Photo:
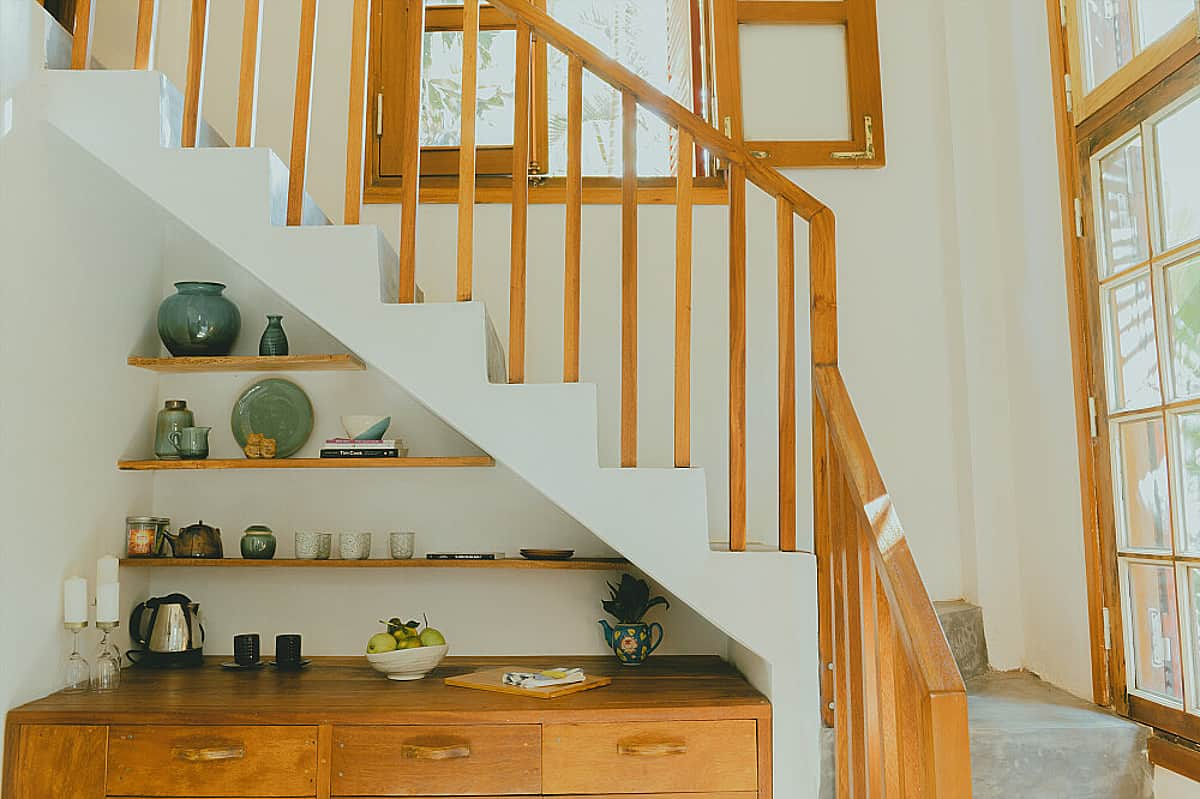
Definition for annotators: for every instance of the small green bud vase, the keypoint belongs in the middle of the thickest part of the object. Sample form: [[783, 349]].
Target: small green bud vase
[[274, 340], [258, 542]]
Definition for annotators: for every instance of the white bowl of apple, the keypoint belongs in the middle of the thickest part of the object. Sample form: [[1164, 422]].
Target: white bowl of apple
[[404, 653]]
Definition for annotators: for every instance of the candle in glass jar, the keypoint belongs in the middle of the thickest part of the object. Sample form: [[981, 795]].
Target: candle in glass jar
[[106, 571], [75, 601], [108, 603]]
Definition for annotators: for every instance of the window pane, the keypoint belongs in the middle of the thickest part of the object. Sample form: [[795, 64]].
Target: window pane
[[1143, 513], [441, 88], [1185, 429], [1192, 587], [635, 34], [1123, 208], [1183, 327], [1157, 17], [1108, 38], [1154, 627], [1179, 174], [1130, 349]]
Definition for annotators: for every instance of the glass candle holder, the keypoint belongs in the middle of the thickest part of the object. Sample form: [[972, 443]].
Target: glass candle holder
[[107, 675], [76, 673]]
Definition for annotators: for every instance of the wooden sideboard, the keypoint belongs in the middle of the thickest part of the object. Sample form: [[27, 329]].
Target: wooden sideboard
[[676, 725]]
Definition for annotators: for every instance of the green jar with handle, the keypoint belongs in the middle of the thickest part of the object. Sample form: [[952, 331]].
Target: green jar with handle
[[170, 421]]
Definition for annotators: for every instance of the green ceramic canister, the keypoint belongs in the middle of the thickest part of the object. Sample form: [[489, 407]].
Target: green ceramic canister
[[173, 417], [258, 542]]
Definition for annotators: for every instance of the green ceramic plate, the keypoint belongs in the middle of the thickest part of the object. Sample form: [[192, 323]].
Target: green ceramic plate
[[278, 409]]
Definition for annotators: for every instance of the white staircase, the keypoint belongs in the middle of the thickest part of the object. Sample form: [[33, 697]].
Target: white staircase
[[547, 434]]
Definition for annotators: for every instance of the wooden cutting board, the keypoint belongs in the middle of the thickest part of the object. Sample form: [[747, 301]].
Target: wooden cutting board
[[493, 680]]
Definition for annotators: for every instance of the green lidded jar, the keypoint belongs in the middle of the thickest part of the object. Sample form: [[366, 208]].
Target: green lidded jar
[[258, 542], [174, 416]]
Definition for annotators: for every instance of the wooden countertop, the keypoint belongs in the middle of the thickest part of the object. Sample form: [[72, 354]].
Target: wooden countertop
[[346, 690]]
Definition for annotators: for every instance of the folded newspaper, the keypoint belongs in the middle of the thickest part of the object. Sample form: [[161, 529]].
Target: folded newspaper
[[544, 679]]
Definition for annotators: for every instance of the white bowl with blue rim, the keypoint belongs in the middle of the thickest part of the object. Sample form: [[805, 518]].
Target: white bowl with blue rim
[[366, 428]]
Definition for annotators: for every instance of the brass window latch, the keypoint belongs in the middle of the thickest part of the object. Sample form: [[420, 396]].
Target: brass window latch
[[867, 154], [537, 176]]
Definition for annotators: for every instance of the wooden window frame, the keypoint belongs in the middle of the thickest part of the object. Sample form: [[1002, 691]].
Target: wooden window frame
[[1085, 129], [439, 184], [865, 148], [1171, 50]]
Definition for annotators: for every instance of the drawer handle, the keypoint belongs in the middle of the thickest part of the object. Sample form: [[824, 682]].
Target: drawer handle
[[447, 751], [644, 748], [209, 753]]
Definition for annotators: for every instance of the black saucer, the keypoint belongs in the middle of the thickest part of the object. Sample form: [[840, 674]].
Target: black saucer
[[235, 666], [297, 666]]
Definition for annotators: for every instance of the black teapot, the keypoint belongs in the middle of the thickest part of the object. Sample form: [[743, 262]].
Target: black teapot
[[195, 541]]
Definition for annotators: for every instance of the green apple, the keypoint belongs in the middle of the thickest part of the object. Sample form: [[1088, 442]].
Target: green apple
[[432, 637], [380, 642]]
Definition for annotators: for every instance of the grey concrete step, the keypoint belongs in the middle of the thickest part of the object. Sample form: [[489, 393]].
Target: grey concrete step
[[963, 624]]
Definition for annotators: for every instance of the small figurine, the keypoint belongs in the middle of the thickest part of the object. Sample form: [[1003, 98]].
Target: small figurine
[[259, 446]]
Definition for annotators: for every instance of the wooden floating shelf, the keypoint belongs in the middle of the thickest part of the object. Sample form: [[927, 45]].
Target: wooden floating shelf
[[575, 564], [253, 363], [457, 461]]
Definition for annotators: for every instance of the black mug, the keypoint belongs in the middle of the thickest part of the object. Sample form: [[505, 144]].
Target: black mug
[[287, 651], [246, 649]]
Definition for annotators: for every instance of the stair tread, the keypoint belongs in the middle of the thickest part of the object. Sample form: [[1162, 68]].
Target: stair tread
[[1012, 701]]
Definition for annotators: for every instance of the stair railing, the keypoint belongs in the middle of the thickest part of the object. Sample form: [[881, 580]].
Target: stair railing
[[890, 685]]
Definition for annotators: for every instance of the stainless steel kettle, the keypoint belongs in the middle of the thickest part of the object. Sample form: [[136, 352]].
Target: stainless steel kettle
[[169, 630]]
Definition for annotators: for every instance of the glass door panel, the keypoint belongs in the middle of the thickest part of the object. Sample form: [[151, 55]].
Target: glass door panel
[[1185, 444], [1178, 174], [1182, 286], [1123, 209], [1130, 349], [1153, 630], [1140, 484]]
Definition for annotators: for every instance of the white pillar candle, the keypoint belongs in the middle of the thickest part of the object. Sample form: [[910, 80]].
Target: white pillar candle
[[106, 570], [108, 602], [75, 601]]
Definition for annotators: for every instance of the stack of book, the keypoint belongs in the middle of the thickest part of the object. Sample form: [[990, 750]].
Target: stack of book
[[354, 448]]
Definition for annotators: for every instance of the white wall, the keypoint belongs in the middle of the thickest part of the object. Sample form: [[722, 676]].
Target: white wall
[[80, 264], [1169, 785]]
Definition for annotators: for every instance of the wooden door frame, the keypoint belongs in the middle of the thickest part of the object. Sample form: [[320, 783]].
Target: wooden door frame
[[1155, 89]]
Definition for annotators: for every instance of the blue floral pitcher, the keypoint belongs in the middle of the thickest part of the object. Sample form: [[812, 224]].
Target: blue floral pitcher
[[631, 643]]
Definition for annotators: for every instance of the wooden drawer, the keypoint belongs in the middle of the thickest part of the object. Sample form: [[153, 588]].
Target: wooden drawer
[[212, 761], [650, 757], [437, 761]]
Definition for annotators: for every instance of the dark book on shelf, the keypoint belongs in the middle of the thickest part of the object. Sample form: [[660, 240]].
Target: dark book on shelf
[[465, 556], [360, 453]]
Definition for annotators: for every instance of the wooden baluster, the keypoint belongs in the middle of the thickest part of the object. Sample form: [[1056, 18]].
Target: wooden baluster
[[822, 279], [81, 44], [948, 752], [843, 740], [466, 151], [629, 276], [852, 529], [247, 105], [785, 217], [909, 698], [889, 721], [301, 111], [520, 209], [737, 357], [683, 300], [823, 541], [147, 27], [193, 89], [356, 121], [873, 733], [410, 147], [574, 235]]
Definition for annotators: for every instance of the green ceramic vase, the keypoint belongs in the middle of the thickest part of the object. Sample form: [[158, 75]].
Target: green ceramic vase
[[258, 542], [274, 340], [197, 320]]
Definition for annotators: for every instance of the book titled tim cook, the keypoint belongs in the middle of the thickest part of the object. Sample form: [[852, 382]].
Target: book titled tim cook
[[348, 452]]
